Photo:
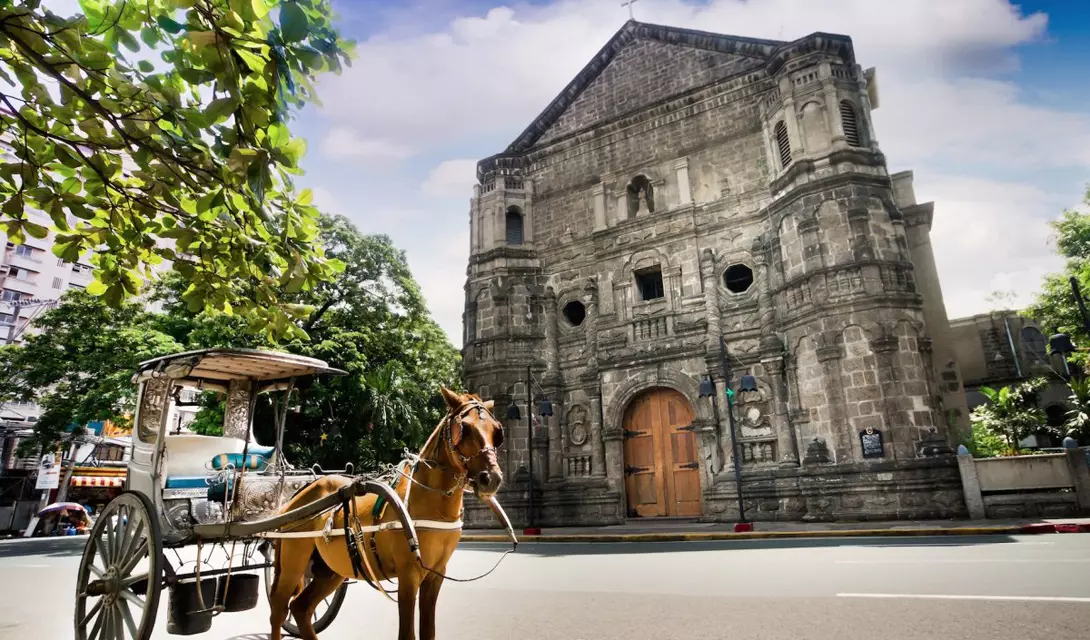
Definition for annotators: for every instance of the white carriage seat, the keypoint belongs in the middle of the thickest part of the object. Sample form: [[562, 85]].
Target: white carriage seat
[[189, 458]]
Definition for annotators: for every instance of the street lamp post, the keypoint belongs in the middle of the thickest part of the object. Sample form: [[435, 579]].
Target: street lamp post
[[747, 383], [514, 414]]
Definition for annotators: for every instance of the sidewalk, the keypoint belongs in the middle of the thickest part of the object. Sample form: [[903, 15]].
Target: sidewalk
[[695, 531]]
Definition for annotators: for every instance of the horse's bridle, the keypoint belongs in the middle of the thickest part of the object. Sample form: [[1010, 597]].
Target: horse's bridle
[[447, 434]]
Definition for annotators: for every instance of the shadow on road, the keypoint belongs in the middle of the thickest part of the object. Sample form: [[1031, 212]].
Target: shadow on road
[[554, 549], [59, 547]]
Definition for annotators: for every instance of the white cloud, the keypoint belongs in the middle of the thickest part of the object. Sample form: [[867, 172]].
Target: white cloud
[[452, 178], [989, 236], [342, 143], [948, 110]]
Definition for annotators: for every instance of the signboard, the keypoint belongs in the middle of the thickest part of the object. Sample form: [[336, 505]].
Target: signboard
[[871, 440], [49, 472]]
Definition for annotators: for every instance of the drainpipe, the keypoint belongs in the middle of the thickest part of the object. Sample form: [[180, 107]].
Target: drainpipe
[[1014, 354]]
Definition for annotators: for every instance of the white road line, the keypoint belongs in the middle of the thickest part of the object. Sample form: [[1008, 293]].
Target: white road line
[[956, 561], [29, 566], [961, 597]]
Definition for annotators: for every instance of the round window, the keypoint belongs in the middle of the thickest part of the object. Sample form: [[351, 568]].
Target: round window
[[575, 313], [738, 278]]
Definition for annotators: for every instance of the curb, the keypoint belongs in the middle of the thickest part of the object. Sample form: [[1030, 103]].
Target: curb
[[763, 535]]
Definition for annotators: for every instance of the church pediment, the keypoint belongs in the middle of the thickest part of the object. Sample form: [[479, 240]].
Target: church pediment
[[641, 65]]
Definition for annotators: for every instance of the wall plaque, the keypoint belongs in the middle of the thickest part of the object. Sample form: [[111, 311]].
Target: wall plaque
[[871, 440]]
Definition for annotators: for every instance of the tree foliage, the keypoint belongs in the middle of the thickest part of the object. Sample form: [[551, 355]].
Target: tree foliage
[[185, 157], [1011, 413], [371, 322], [1055, 307], [79, 364], [1078, 416]]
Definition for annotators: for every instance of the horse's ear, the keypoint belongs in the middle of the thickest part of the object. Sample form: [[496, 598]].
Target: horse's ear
[[453, 399]]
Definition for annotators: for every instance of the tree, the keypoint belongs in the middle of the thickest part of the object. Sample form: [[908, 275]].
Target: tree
[[1055, 307], [1011, 413], [79, 366], [373, 323], [187, 158], [1078, 416]]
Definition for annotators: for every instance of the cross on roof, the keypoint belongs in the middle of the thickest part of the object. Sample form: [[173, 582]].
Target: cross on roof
[[629, 3]]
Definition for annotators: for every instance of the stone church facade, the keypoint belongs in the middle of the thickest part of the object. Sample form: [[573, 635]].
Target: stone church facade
[[688, 186]]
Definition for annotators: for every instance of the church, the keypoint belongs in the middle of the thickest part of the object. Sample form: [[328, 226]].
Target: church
[[693, 273]]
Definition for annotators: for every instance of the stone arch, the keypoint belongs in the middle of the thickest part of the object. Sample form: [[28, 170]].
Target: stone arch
[[514, 226], [684, 384]]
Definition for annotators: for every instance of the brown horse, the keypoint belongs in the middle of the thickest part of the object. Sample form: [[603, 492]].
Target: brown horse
[[461, 451]]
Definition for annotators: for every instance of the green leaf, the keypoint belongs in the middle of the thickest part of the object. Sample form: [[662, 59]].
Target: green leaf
[[96, 288], [35, 230], [220, 108], [293, 22], [261, 9], [166, 23], [255, 62], [145, 66]]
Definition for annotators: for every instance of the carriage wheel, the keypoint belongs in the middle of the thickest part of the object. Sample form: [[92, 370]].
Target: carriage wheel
[[120, 575], [327, 609]]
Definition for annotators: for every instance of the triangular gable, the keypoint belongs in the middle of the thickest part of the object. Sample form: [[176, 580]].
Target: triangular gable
[[606, 88]]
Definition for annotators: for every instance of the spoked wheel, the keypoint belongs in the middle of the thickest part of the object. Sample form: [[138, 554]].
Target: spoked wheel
[[120, 575], [327, 609]]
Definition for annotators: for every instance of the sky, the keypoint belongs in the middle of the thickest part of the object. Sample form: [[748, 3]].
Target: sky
[[987, 102]]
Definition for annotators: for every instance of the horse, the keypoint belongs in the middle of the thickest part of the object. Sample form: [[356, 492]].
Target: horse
[[460, 452]]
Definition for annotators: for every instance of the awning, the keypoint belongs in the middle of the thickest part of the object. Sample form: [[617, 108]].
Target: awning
[[97, 481]]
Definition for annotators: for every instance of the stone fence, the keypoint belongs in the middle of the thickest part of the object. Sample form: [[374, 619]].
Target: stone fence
[[1051, 485]]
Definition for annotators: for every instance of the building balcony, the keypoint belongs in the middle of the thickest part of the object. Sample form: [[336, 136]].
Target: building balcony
[[30, 288], [34, 261]]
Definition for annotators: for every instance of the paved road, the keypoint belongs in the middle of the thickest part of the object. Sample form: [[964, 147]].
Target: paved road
[[965, 588]]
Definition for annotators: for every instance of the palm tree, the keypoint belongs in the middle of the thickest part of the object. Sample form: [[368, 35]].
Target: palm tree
[[392, 423]]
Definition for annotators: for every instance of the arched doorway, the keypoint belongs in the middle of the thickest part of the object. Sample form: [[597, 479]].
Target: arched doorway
[[661, 464]]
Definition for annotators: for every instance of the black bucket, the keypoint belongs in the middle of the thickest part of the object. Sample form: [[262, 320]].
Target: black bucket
[[241, 592], [182, 619]]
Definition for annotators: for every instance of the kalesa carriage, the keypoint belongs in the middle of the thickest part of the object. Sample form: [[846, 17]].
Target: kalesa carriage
[[248, 511]]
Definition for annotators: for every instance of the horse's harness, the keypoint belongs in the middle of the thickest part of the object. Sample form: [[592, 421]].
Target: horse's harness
[[355, 532]]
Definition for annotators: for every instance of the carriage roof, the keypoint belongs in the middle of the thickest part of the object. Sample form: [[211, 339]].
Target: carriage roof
[[232, 364]]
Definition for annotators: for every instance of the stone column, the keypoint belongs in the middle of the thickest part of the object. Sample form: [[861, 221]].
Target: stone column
[[684, 190], [556, 446], [864, 103], [598, 199], [474, 220], [772, 155], [832, 111], [488, 223], [829, 357], [884, 349], [791, 119], [598, 450], [711, 301], [613, 437], [552, 348], [590, 299], [786, 440]]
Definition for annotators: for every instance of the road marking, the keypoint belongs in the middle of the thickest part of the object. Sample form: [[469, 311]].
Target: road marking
[[960, 597], [30, 566], [956, 561]]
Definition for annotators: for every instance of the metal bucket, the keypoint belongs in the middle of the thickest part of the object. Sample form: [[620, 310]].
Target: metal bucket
[[182, 619], [240, 594]]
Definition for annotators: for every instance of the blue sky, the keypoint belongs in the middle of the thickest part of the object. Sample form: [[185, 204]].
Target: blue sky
[[987, 102]]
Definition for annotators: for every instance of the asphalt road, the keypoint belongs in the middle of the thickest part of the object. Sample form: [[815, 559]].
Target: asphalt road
[[956, 588]]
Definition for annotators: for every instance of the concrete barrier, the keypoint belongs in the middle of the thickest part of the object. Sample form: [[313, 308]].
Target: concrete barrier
[[1048, 485]]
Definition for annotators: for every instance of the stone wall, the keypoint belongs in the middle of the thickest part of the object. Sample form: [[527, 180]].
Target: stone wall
[[662, 158]]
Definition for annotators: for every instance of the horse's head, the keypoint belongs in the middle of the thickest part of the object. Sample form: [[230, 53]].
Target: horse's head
[[474, 435]]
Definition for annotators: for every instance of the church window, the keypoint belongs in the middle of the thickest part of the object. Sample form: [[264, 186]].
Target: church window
[[850, 122], [575, 313], [649, 282], [783, 143], [641, 196], [738, 278], [514, 226]]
